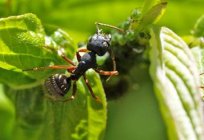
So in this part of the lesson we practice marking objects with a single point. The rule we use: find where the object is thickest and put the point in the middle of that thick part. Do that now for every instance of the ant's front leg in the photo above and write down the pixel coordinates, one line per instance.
(74, 89)
(83, 50)
(106, 73)
(78, 55)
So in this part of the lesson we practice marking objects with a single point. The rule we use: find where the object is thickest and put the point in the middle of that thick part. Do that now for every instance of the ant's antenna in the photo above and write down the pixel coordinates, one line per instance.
(107, 25)
(98, 30)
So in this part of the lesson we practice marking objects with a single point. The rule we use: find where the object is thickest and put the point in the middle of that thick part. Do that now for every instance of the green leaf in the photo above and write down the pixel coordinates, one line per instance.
(22, 82)
(148, 4)
(80, 119)
(198, 53)
(141, 20)
(6, 117)
(153, 14)
(199, 27)
(23, 45)
(175, 76)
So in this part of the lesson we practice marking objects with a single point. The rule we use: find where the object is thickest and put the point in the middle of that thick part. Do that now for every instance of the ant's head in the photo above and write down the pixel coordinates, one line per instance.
(99, 43)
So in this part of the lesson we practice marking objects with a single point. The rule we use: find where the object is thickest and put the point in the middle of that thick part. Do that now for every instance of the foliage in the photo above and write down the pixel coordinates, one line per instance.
(145, 46)
(24, 40)
(176, 80)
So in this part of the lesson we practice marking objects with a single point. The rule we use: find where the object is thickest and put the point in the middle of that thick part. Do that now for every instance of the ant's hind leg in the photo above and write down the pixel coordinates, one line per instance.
(73, 93)
(90, 89)
(68, 68)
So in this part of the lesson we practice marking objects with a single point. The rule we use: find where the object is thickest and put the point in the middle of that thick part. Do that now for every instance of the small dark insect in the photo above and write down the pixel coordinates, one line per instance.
(59, 84)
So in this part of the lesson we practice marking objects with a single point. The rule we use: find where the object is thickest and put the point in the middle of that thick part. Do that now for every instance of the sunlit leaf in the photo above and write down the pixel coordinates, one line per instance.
(199, 27)
(38, 117)
(23, 41)
(154, 14)
(7, 116)
(25, 44)
(175, 76)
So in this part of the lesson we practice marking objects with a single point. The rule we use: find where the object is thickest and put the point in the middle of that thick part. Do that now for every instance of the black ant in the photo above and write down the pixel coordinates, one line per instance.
(59, 84)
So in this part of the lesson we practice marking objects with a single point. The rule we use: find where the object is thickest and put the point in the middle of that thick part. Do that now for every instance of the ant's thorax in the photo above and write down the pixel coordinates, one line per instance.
(88, 61)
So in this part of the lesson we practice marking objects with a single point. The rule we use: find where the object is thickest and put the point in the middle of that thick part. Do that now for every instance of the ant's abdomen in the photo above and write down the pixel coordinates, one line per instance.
(57, 85)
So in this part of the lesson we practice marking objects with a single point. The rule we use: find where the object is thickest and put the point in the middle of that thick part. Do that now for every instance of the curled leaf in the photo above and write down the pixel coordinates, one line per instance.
(176, 82)
(199, 27)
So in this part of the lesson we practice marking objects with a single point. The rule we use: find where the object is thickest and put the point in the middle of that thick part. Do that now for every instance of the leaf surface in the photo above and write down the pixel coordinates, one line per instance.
(175, 76)
(25, 44)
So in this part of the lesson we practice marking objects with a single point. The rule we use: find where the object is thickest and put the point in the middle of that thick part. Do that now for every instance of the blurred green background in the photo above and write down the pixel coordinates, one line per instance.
(136, 115)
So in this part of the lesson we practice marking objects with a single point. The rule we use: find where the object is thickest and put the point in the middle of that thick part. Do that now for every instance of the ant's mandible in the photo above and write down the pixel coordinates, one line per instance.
(59, 84)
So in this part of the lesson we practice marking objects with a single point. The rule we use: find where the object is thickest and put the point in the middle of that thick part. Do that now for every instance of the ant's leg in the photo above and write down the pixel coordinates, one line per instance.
(80, 50)
(83, 50)
(107, 73)
(78, 56)
(69, 68)
(113, 59)
(61, 53)
(113, 62)
(73, 93)
(90, 89)
(107, 25)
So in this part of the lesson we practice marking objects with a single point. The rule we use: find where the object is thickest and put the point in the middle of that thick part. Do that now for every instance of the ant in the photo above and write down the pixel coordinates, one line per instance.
(59, 84)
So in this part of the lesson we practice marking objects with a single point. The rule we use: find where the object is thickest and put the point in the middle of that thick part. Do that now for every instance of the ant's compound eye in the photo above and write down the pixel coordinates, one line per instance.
(105, 44)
